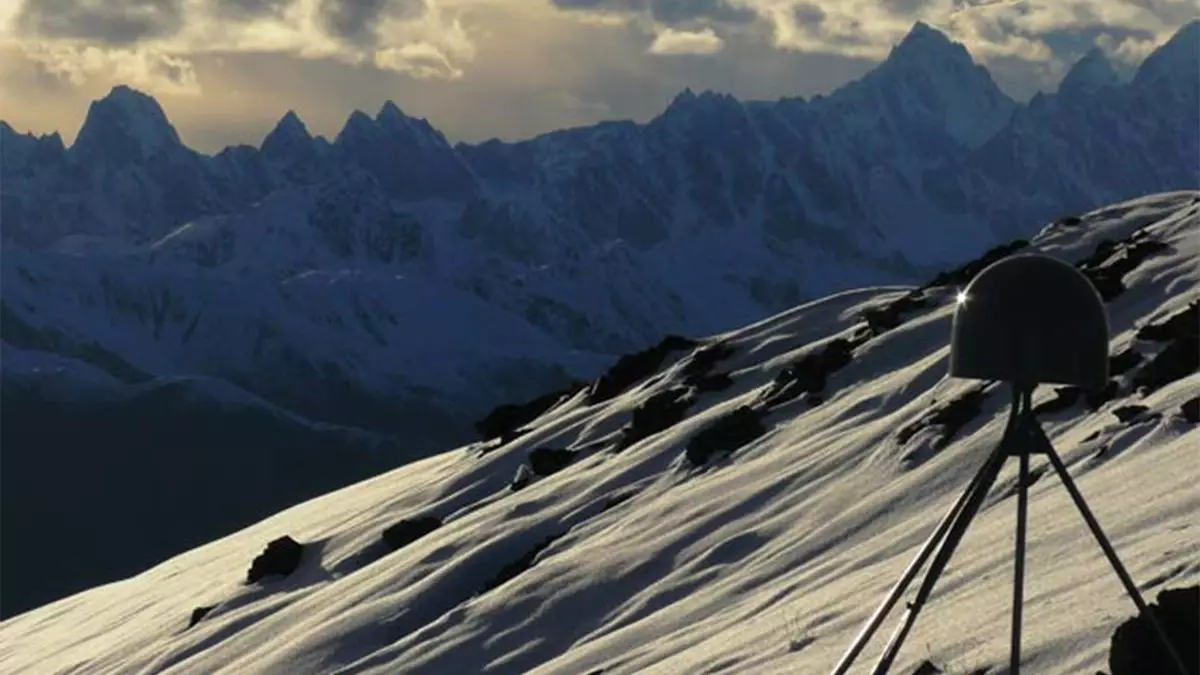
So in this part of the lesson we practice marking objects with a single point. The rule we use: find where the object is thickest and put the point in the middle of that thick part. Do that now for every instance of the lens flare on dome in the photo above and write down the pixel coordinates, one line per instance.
(961, 298)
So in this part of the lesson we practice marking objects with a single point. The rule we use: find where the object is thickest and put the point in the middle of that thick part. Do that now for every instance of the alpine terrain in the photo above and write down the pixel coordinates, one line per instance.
(733, 504)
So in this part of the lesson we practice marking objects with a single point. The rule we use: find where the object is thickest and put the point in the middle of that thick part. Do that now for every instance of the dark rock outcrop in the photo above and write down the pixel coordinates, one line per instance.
(1191, 410)
(890, 315)
(952, 417)
(1108, 265)
(522, 478)
(516, 567)
(631, 368)
(727, 434)
(1136, 648)
(810, 374)
(505, 421)
(281, 558)
(1130, 413)
(659, 413)
(409, 530)
(1178, 325)
(547, 461)
(1176, 361)
(199, 613)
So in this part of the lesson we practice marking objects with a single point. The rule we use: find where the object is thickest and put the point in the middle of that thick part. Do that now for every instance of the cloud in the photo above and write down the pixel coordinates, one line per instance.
(144, 67)
(670, 12)
(113, 22)
(352, 20)
(251, 10)
(671, 42)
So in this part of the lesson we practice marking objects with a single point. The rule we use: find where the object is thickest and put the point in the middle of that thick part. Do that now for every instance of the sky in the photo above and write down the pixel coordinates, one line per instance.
(226, 70)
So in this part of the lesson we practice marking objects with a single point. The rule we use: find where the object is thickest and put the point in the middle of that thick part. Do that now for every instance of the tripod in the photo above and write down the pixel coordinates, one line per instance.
(1022, 437)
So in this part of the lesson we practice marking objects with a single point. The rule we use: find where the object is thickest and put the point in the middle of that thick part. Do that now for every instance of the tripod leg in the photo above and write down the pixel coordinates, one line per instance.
(1014, 666)
(1111, 554)
(864, 635)
(953, 537)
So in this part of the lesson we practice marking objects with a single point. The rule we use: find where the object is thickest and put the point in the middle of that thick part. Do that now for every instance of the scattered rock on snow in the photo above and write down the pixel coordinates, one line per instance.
(547, 461)
(1178, 325)
(1176, 361)
(505, 421)
(1064, 398)
(521, 479)
(810, 374)
(633, 367)
(727, 434)
(511, 570)
(1136, 648)
(409, 530)
(890, 315)
(199, 613)
(1130, 413)
(927, 668)
(658, 413)
(1191, 410)
(281, 557)
(952, 416)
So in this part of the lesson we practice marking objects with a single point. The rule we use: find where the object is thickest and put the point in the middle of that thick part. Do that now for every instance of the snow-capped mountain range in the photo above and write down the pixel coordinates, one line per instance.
(737, 504)
(412, 272)
(383, 290)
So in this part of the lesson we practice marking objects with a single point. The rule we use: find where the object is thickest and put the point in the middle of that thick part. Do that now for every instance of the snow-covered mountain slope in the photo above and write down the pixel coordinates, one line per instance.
(740, 509)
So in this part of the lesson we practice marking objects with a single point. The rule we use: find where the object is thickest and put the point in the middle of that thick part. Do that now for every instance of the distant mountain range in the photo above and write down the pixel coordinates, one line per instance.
(391, 284)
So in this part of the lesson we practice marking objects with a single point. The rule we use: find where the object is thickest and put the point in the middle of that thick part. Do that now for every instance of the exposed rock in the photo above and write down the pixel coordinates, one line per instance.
(1107, 267)
(703, 360)
(633, 367)
(1129, 413)
(1064, 398)
(409, 530)
(727, 434)
(1191, 410)
(1178, 325)
(1176, 361)
(199, 613)
(281, 557)
(1069, 222)
(1124, 362)
(511, 570)
(714, 382)
(1136, 648)
(952, 417)
(810, 374)
(660, 412)
(547, 461)
(522, 478)
(505, 421)
(890, 315)
(927, 668)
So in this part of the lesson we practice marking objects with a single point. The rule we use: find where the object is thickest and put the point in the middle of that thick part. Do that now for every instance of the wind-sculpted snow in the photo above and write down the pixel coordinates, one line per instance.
(767, 558)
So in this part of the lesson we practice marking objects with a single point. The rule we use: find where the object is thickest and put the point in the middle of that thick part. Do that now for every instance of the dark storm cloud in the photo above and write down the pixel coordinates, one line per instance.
(905, 7)
(808, 15)
(668, 11)
(356, 21)
(114, 22)
(245, 10)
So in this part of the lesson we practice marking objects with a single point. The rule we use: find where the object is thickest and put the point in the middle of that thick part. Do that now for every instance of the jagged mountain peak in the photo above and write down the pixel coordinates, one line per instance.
(288, 133)
(1092, 72)
(390, 112)
(123, 126)
(1178, 59)
(925, 45)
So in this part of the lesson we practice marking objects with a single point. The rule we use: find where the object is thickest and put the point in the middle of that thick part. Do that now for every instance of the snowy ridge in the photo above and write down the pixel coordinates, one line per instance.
(654, 556)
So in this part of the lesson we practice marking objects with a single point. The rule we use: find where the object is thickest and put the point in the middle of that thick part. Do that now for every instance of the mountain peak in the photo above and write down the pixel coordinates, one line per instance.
(389, 112)
(289, 133)
(925, 44)
(1176, 59)
(125, 125)
(1089, 74)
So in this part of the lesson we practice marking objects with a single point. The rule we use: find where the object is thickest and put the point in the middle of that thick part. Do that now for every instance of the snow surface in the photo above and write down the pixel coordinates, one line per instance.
(767, 562)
